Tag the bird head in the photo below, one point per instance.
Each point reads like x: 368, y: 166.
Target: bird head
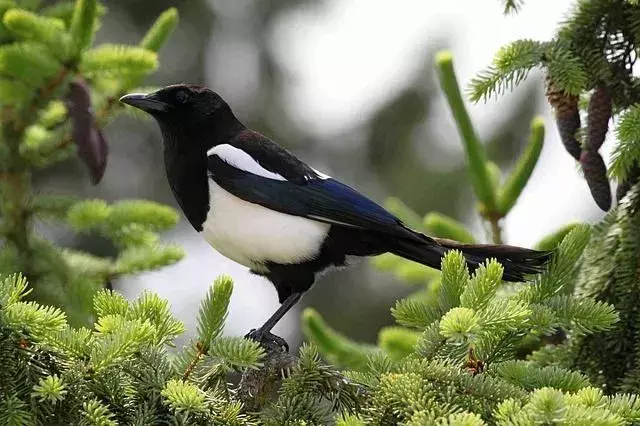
x: 183, y: 104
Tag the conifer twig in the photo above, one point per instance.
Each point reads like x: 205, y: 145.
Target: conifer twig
x: 200, y: 352
x: 474, y: 149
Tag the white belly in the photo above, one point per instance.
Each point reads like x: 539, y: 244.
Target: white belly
x: 250, y: 234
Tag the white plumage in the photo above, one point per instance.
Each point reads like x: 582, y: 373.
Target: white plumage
x: 250, y: 234
x: 241, y: 160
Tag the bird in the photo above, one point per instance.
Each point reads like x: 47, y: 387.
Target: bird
x: 259, y: 205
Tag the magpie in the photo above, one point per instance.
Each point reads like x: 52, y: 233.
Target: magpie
x: 259, y: 205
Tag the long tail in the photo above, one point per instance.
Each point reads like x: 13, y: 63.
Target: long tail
x: 517, y: 261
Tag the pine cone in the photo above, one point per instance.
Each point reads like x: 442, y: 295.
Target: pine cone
x: 91, y: 143
x: 600, y: 109
x: 595, y: 172
x: 567, y: 118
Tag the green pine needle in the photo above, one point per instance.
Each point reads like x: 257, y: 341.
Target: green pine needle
x: 583, y: 315
x: 482, y: 286
x: 118, y: 60
x: 50, y: 389
x: 442, y: 226
x: 403, y: 212
x: 147, y: 214
x: 107, y: 302
x: 415, y: 313
x: 335, y: 347
x: 12, y: 289
x: 510, y: 67
x: 50, y: 32
x: 213, y: 311
x: 557, y: 278
x: 121, y: 342
x: 398, y: 342
x: 88, y: 214
x: 502, y: 314
x: 237, y: 352
x: 28, y: 62
x: 160, y: 31
x: 14, y: 412
x: 38, y: 320
x: 512, y: 6
x: 529, y: 377
x: 83, y: 24
x: 96, y: 413
x: 455, y: 276
x: 460, y: 324
x: 626, y: 153
x: 551, y: 241
x: 519, y: 177
x: 150, y: 307
x: 566, y: 70
x: 148, y: 257
x: 186, y: 397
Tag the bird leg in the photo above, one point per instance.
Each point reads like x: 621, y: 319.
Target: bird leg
x: 263, y: 334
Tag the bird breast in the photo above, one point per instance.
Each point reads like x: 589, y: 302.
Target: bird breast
x: 253, y: 235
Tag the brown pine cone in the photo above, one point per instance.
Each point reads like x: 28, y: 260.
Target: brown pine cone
x: 595, y: 172
x: 600, y: 109
x: 567, y: 118
x: 89, y: 139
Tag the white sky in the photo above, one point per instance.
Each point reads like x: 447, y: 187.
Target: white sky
x: 346, y: 58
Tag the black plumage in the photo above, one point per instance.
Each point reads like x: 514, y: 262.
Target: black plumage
x: 209, y: 153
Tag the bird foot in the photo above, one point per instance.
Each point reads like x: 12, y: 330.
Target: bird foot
x: 267, y: 339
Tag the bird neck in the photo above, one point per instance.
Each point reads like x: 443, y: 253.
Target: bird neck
x: 185, y: 158
x: 221, y: 128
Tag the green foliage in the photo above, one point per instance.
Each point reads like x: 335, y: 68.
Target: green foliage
x: 340, y: 350
x: 496, y: 199
x: 120, y: 371
x: 476, y: 156
x: 523, y: 169
x: 550, y: 242
x: 213, y: 311
x: 83, y: 23
x: 118, y: 61
x: 464, y: 364
x: 48, y: 31
x: 467, y: 349
x: 159, y: 33
x: 442, y: 226
x: 626, y: 152
x: 591, y: 50
x: 45, y: 52
x: 511, y: 6
x: 611, y: 276
x: 511, y: 65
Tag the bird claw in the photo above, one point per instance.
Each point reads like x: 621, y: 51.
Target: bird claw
x: 267, y: 339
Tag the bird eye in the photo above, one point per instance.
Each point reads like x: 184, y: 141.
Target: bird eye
x: 182, y: 96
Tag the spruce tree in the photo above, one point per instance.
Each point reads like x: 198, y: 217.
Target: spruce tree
x: 466, y: 349
x: 57, y: 93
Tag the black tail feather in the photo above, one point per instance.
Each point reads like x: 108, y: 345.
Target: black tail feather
x: 517, y: 261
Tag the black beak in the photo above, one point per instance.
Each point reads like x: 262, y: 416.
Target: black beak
x: 146, y: 102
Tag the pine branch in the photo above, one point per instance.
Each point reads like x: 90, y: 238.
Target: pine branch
x: 512, y: 6
x: 626, y: 152
x: 333, y: 346
x: 510, y: 67
x: 476, y: 155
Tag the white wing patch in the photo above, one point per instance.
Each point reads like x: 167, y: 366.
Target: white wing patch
x: 321, y: 175
x: 241, y: 160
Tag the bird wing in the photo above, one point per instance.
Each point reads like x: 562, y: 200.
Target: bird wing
x: 322, y: 198
x: 272, y: 156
